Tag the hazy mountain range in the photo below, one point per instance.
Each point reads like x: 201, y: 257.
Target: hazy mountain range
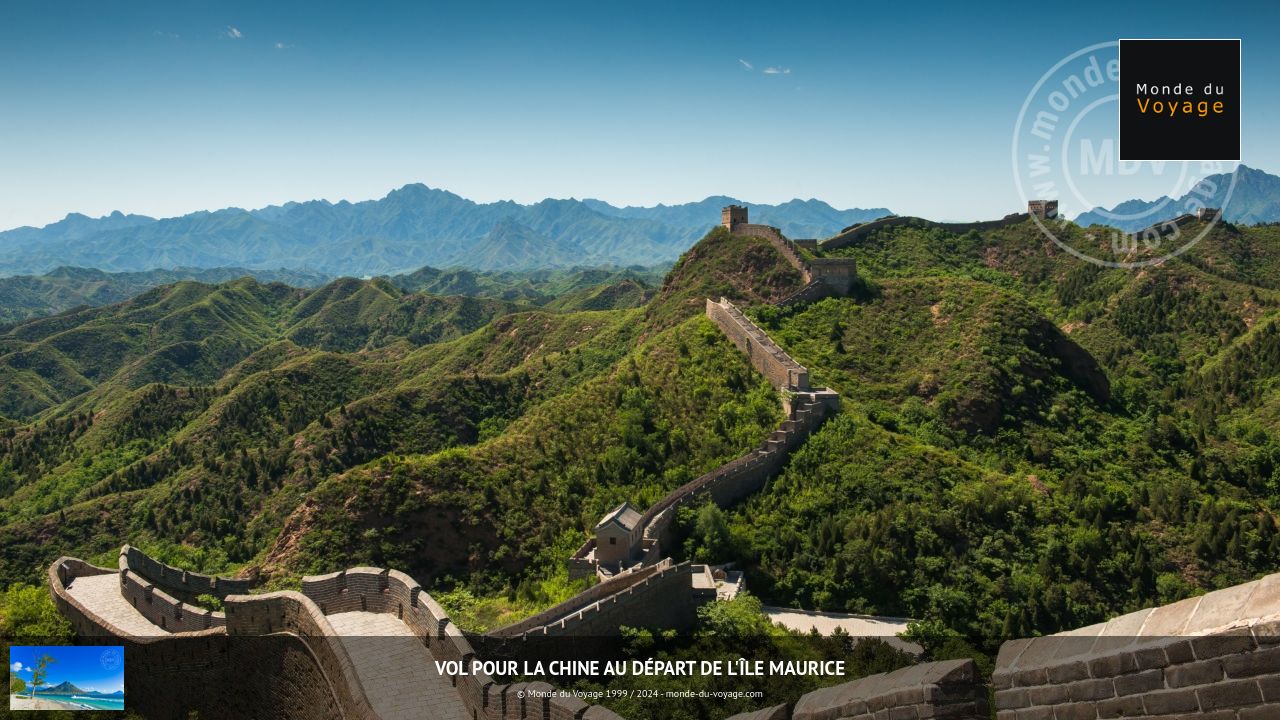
x: 28, y: 296
x: 409, y: 228
x: 1255, y: 199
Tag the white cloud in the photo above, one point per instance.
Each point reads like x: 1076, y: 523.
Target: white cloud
x: 234, y: 33
x: 166, y: 35
x: 746, y: 64
x: 16, y: 666
x: 777, y: 71
x: 283, y: 46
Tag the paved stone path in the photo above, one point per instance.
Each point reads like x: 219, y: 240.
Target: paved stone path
x: 396, y: 669
x: 884, y: 628
x: 101, y: 593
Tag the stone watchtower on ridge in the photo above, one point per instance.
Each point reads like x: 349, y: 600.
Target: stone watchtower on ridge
x: 733, y: 215
x: 1046, y: 209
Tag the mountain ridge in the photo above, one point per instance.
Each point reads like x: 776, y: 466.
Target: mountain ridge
x: 1254, y: 199
x: 410, y: 227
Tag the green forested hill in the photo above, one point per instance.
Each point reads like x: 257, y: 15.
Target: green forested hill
x: 25, y: 297
x: 980, y: 475
x: 219, y: 425
x: 1028, y: 442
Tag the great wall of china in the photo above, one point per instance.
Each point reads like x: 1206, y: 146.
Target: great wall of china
x: 362, y: 643
x: 852, y: 234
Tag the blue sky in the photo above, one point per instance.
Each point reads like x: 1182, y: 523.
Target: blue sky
x: 166, y: 108
x: 82, y: 666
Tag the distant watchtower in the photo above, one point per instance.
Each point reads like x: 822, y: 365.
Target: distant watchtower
x: 1045, y: 209
x: 733, y: 215
x: 1208, y: 214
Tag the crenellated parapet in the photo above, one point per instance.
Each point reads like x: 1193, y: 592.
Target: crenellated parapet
x: 292, y: 655
x: 178, y: 582
x: 1217, y: 655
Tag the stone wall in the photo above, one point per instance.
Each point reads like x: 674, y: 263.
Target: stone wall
x: 539, y: 701
x: 206, y: 671
x: 814, y: 291
x: 732, y: 482
x: 765, y: 355
x: 84, y: 622
x: 253, y: 616
x: 163, y: 610
x: 182, y: 584
x: 229, y: 678
x: 788, y: 249
x: 728, y: 484
x: 951, y: 689
x: 1163, y: 228
x: 838, y: 274
x: 854, y: 233
x: 827, y: 276
x: 591, y: 595
x: 662, y: 599
x: 1216, y: 656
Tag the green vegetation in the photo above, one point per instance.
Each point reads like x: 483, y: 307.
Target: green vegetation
x: 250, y: 425
x: 986, y: 475
x: 744, y: 269
x: 1028, y: 443
x: 27, y: 614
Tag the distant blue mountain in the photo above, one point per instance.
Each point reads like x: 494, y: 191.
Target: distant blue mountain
x: 409, y: 228
x: 412, y: 227
x: 1255, y: 199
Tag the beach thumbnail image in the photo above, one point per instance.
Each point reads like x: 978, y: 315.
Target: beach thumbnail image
x: 66, y: 677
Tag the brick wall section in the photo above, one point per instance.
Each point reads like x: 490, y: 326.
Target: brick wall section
x: 177, y: 582
x: 951, y: 689
x: 84, y: 621
x: 253, y: 616
x: 814, y: 291
x: 207, y: 671
x: 391, y: 591
x: 663, y: 599
x: 587, y: 597
x: 830, y: 276
x: 785, y: 247
x: 1160, y: 229
x: 1215, y: 656
x: 163, y: 610
x: 735, y: 480
x: 764, y: 354
x: 853, y: 234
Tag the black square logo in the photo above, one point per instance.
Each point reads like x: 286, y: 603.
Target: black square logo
x: 1179, y: 99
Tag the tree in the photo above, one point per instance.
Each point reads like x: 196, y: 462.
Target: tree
x: 27, y: 613
x: 40, y: 673
x: 16, y: 685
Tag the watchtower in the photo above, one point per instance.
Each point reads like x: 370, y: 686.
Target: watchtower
x: 1208, y: 214
x: 733, y: 215
x: 1044, y: 209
